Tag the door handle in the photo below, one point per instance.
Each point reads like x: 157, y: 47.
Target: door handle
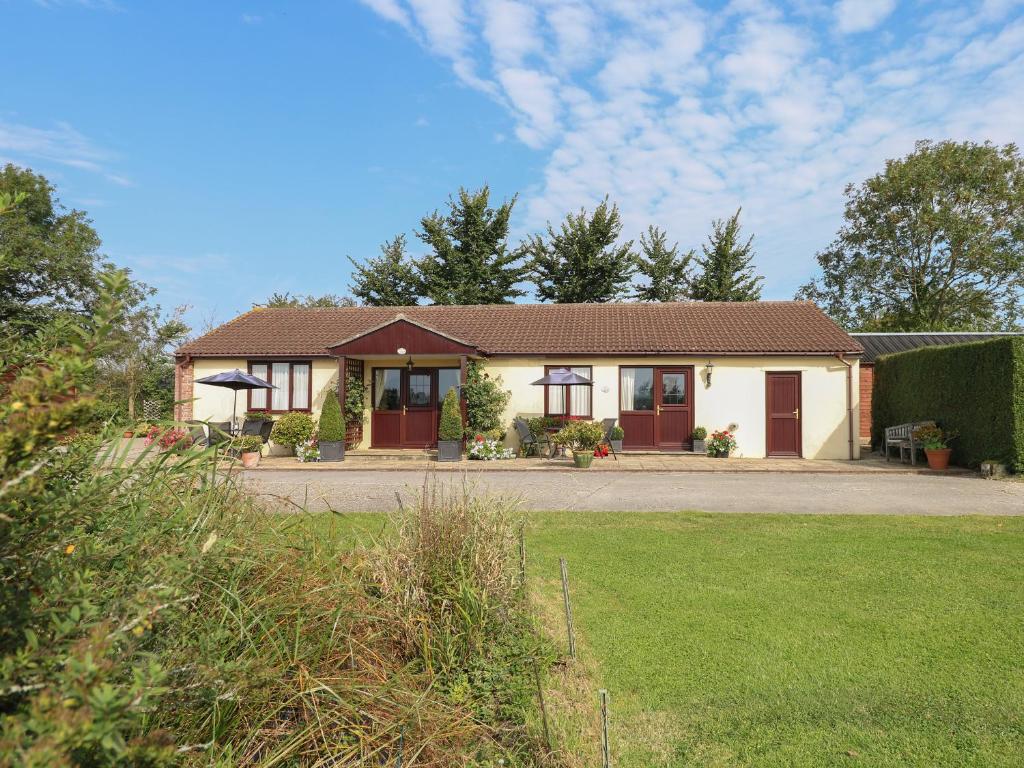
x: 403, y: 410
x: 796, y: 413
x: 659, y: 410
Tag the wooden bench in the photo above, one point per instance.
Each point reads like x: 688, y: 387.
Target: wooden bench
x: 902, y: 436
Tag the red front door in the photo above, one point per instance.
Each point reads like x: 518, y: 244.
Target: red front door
x: 673, y: 393
x: 404, y: 408
x: 656, y: 407
x: 782, y: 406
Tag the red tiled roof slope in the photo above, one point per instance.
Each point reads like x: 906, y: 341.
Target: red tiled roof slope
x: 769, y: 327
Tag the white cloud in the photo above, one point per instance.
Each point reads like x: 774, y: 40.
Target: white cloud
x: 389, y: 9
x: 251, y: 18
x: 682, y: 115
x: 61, y: 145
x: 862, y: 15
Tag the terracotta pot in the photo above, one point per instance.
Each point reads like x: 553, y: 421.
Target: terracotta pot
x: 250, y: 460
x: 129, y: 433
x: 938, y: 458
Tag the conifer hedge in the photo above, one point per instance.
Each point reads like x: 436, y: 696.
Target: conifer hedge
x: 974, y: 389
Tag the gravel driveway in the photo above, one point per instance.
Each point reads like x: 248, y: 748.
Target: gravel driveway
x: 893, y: 494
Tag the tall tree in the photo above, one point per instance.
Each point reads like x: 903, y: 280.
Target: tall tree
x: 389, y: 280
x: 726, y: 273
x: 934, y: 242
x: 49, y: 257
x: 667, y: 271
x: 581, y: 263
x: 470, y: 261
x: 287, y: 299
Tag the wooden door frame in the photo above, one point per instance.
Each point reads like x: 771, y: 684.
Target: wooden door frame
x: 433, y: 407
x: 660, y: 370
x: 690, y: 370
x: 768, y: 415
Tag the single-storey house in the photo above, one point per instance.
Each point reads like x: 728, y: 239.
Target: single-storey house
x: 878, y: 344
x: 780, y: 373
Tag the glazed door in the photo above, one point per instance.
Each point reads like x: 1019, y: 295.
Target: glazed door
x: 419, y: 408
x: 782, y: 406
x: 386, y: 417
x: 674, y: 394
x: 636, y: 407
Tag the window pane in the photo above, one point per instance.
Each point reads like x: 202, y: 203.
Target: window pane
x: 280, y: 380
x: 419, y: 389
x: 259, y: 396
x: 637, y: 389
x: 580, y: 394
x: 673, y: 388
x: 556, y: 401
x: 387, y: 383
x: 447, y: 378
x: 300, y: 384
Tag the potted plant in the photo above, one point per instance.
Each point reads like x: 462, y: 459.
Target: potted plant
x: 721, y: 444
x: 449, y: 431
x: 616, y: 438
x: 292, y: 429
x: 250, y: 448
x: 331, y: 430
x: 936, y: 445
x: 699, y: 440
x: 581, y: 437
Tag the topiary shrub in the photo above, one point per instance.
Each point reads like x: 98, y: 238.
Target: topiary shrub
x: 451, y: 418
x: 292, y: 429
x: 331, y: 428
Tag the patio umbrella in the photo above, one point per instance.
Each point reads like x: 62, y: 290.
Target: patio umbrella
x: 235, y: 380
x: 563, y: 376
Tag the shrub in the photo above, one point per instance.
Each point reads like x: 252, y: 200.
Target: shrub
x: 355, y: 400
x: 292, y: 429
x: 331, y: 429
x: 451, y: 418
x: 974, y: 390
x: 485, y: 401
x: 617, y: 433
x: 257, y: 416
x: 580, y: 436
x: 700, y: 433
x: 247, y: 444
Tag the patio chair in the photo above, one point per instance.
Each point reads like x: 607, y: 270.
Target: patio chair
x: 608, y: 425
x: 528, y: 441
x: 220, y: 432
x: 197, y: 432
x: 260, y: 428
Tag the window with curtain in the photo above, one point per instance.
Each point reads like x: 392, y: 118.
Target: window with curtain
x: 573, y: 401
x: 387, y: 389
x: 258, y: 397
x: 636, y: 389
x: 292, y: 382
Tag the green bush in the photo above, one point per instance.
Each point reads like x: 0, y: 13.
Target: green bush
x: 617, y: 433
x: 485, y: 402
x: 247, y: 444
x: 292, y: 429
x: 580, y: 436
x: 973, y: 390
x: 451, y: 418
x: 355, y: 401
x: 257, y: 416
x: 331, y: 429
x: 700, y: 433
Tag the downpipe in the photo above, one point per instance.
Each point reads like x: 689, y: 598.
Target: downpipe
x: 849, y: 398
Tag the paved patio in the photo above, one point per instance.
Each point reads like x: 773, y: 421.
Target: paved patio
x: 416, y: 461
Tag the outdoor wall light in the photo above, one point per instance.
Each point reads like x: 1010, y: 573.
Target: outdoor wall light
x: 408, y: 363
x: 400, y: 350
x: 708, y: 370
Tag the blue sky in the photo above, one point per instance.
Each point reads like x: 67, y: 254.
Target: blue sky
x: 229, y: 150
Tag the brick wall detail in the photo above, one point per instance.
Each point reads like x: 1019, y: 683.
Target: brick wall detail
x: 867, y: 379
x: 183, y: 388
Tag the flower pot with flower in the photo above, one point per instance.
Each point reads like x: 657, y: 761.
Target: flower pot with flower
x: 721, y: 444
x: 700, y: 435
x: 250, y: 448
x: 936, y: 445
x: 449, y: 431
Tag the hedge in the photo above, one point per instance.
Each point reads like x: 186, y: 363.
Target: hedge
x: 974, y: 389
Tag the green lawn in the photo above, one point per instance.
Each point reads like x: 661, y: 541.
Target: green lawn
x: 796, y: 640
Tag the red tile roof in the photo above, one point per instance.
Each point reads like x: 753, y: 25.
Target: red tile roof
x: 764, y: 327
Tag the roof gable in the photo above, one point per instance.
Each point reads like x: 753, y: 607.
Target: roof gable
x: 401, y: 333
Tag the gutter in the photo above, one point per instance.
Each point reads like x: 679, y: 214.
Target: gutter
x: 840, y: 356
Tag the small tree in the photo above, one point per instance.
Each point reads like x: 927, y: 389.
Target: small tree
x: 389, y: 280
x: 485, y: 402
x: 331, y: 428
x: 451, y: 418
x: 667, y: 272
x: 726, y: 271
x: 581, y: 262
